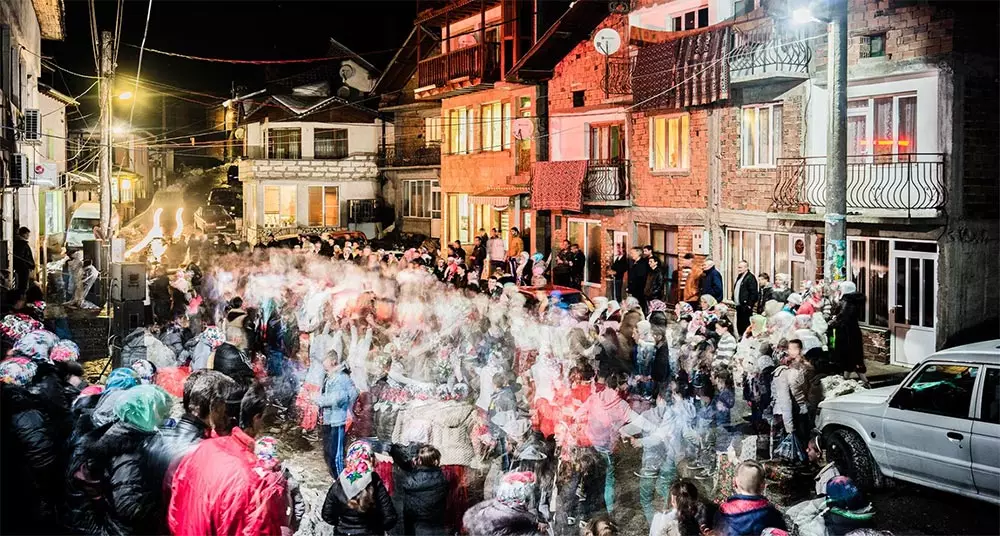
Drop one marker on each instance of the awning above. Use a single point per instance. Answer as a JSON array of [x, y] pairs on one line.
[[497, 197], [692, 70], [558, 185]]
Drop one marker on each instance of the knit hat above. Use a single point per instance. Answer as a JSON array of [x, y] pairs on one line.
[[516, 489], [144, 369], [842, 492], [120, 379], [35, 345], [795, 299], [65, 350], [537, 257], [359, 464], [266, 449], [17, 371], [144, 407]]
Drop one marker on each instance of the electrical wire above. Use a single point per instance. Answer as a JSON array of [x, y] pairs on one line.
[[119, 15], [138, 69], [63, 69], [262, 62]]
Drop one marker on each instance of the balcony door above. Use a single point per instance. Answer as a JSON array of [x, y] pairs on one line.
[[913, 300], [607, 142]]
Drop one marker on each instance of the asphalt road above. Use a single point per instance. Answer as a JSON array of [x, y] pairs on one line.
[[909, 509]]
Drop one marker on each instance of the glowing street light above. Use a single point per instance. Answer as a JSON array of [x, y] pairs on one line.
[[125, 95], [803, 15]]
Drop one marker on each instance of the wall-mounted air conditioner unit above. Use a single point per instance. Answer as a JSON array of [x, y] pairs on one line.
[[32, 126], [20, 171]]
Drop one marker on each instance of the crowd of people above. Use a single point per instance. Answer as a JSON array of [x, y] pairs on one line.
[[442, 406]]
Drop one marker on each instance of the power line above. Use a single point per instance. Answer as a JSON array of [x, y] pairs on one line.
[[259, 62]]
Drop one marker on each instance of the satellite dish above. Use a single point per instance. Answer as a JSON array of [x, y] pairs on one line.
[[607, 41], [523, 128], [238, 133], [346, 71]]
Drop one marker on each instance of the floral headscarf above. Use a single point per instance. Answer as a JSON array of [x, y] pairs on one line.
[[213, 336], [65, 350], [266, 450], [14, 326], [359, 464], [36, 345], [516, 489], [657, 305], [145, 370], [683, 309], [17, 371]]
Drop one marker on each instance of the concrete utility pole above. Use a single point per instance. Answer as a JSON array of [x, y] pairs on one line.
[[835, 257], [107, 79]]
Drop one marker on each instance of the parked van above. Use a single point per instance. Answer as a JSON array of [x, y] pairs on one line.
[[85, 217]]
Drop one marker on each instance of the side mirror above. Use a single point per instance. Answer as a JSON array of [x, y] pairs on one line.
[[902, 399]]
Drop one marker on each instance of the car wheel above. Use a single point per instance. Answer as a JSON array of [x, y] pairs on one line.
[[853, 458]]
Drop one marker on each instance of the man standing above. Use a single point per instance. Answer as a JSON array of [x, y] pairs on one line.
[[516, 244], [745, 294], [619, 267], [637, 277], [24, 259], [496, 250], [562, 272], [577, 261], [711, 280]]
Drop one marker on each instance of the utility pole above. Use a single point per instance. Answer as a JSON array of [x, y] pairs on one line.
[[107, 79], [835, 257]]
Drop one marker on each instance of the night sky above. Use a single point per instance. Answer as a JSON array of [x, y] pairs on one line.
[[252, 30]]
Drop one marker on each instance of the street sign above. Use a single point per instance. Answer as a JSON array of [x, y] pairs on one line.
[[607, 41]]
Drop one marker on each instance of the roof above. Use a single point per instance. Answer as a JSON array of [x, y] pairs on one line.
[[983, 352], [47, 90], [403, 64], [299, 106], [51, 15], [574, 26], [496, 196], [338, 50]]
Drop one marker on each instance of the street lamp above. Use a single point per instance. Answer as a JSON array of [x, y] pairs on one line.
[[835, 218], [125, 95]]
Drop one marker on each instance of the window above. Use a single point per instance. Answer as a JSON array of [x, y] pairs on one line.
[[578, 97], [882, 125], [989, 408], [761, 135], [690, 20], [127, 194], [607, 142], [432, 131], [664, 242], [284, 143], [941, 389], [873, 46], [458, 218], [279, 205], [587, 235], [324, 206], [495, 126], [869, 270], [765, 253], [421, 199], [669, 143], [329, 143], [460, 131], [55, 212], [742, 7]]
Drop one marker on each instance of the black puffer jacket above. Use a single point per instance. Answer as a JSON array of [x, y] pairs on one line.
[[168, 447], [32, 463], [425, 493], [348, 522], [111, 490], [231, 361]]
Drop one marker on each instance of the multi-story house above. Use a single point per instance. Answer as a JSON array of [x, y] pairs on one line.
[[309, 153], [714, 118], [52, 156], [23, 26], [132, 170]]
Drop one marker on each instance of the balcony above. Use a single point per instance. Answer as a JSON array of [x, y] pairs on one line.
[[606, 182], [618, 79], [465, 67], [884, 185], [393, 156], [763, 56]]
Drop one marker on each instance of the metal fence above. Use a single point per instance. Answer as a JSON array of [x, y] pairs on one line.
[[764, 51], [607, 180]]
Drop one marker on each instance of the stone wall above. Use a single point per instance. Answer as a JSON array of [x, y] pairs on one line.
[[354, 167]]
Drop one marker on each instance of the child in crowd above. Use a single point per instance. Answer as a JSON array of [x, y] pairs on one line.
[[748, 511], [687, 516], [725, 399], [267, 466], [425, 491], [727, 341]]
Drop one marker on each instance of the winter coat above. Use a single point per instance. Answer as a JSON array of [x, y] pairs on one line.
[[493, 518], [605, 413], [654, 285], [785, 400], [692, 285], [745, 515], [217, 491], [174, 441], [339, 395], [347, 522], [236, 333], [232, 362], [425, 494], [478, 256], [848, 345], [817, 518], [661, 365], [711, 284], [124, 496], [175, 338], [32, 463], [516, 246], [496, 249]]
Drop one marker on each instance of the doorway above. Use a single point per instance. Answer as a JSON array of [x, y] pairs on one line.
[[913, 301]]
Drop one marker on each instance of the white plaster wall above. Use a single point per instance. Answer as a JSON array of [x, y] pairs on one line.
[[53, 146], [659, 17], [569, 135], [361, 137]]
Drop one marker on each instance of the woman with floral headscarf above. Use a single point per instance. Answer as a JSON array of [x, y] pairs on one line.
[[511, 512], [358, 503]]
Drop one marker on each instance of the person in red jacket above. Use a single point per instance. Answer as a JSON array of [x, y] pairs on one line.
[[216, 489]]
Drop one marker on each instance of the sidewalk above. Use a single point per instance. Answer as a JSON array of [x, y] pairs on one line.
[[881, 374]]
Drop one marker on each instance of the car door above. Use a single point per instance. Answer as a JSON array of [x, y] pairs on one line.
[[928, 426], [986, 436]]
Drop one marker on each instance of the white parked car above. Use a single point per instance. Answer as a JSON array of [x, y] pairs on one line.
[[940, 428]]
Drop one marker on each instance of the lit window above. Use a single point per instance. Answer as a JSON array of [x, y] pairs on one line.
[[669, 143], [458, 218], [495, 126], [882, 125], [330, 143], [421, 199], [324, 206], [432, 131], [761, 135], [279, 205], [459, 131], [284, 143]]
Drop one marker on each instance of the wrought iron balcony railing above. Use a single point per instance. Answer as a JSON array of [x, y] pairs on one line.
[[892, 182], [393, 156], [479, 61], [606, 180], [618, 79], [363, 211], [763, 53]]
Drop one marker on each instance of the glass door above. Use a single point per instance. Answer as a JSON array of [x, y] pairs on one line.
[[913, 300]]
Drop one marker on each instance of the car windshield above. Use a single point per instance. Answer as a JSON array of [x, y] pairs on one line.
[[227, 198], [84, 224], [213, 211]]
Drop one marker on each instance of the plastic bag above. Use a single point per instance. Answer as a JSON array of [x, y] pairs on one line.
[[791, 449]]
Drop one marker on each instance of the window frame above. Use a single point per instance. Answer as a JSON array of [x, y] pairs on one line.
[[775, 149], [868, 112], [981, 409], [433, 131], [677, 21], [729, 269], [603, 132], [323, 192], [495, 119], [333, 143], [585, 247], [683, 144], [460, 131], [431, 202], [973, 402], [869, 276], [272, 142], [294, 216]]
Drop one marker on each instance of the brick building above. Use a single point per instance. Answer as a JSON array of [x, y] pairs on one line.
[[719, 130]]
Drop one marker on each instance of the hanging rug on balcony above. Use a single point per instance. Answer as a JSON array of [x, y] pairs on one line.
[[558, 185], [691, 70]]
